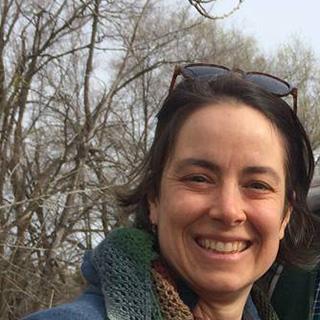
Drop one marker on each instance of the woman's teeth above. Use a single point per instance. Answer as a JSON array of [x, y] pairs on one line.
[[223, 247]]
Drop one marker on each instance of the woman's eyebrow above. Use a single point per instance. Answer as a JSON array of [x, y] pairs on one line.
[[180, 165], [263, 170], [198, 162]]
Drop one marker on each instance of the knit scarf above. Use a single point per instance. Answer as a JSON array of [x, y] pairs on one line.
[[135, 286]]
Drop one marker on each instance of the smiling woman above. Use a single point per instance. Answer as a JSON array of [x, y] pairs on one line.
[[222, 197], [220, 212]]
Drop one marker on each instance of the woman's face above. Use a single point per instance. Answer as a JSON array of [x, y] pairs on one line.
[[221, 208]]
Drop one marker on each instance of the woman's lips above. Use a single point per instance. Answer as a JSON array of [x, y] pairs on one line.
[[223, 246]]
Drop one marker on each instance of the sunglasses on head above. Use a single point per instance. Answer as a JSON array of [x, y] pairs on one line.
[[265, 81]]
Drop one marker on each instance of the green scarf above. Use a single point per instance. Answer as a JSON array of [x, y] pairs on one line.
[[123, 262], [124, 265]]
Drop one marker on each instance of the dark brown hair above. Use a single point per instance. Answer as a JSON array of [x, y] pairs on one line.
[[301, 244]]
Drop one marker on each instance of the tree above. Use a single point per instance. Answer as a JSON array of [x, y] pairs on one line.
[[201, 7], [68, 133], [297, 63]]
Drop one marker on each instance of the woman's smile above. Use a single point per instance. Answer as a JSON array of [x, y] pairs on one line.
[[226, 247]]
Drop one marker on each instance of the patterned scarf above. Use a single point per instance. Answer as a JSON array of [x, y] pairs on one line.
[[136, 286]]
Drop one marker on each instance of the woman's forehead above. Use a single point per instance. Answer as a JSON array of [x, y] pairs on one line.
[[229, 131]]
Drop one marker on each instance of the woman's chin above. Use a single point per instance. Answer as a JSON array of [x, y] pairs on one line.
[[220, 286]]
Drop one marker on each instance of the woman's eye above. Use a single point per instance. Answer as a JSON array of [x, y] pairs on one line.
[[259, 186], [197, 179]]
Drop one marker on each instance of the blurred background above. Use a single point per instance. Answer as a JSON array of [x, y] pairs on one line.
[[80, 84]]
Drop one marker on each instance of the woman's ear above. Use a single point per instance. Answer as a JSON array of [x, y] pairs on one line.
[[153, 211], [285, 221]]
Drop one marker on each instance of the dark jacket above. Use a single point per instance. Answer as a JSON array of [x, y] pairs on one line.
[[294, 294]]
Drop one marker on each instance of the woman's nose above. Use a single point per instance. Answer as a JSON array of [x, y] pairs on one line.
[[228, 206]]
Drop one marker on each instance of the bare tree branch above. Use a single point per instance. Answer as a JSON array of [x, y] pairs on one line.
[[200, 6]]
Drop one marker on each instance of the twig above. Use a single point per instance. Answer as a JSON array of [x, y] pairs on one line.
[[198, 4]]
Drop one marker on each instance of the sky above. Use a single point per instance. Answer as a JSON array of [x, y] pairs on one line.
[[274, 22]]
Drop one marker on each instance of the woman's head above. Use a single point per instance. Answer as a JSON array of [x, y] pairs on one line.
[[221, 208], [183, 104]]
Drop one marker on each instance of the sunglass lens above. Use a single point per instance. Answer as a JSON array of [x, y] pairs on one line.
[[204, 71], [273, 85]]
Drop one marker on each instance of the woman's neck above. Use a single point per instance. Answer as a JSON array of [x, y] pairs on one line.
[[220, 309]]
